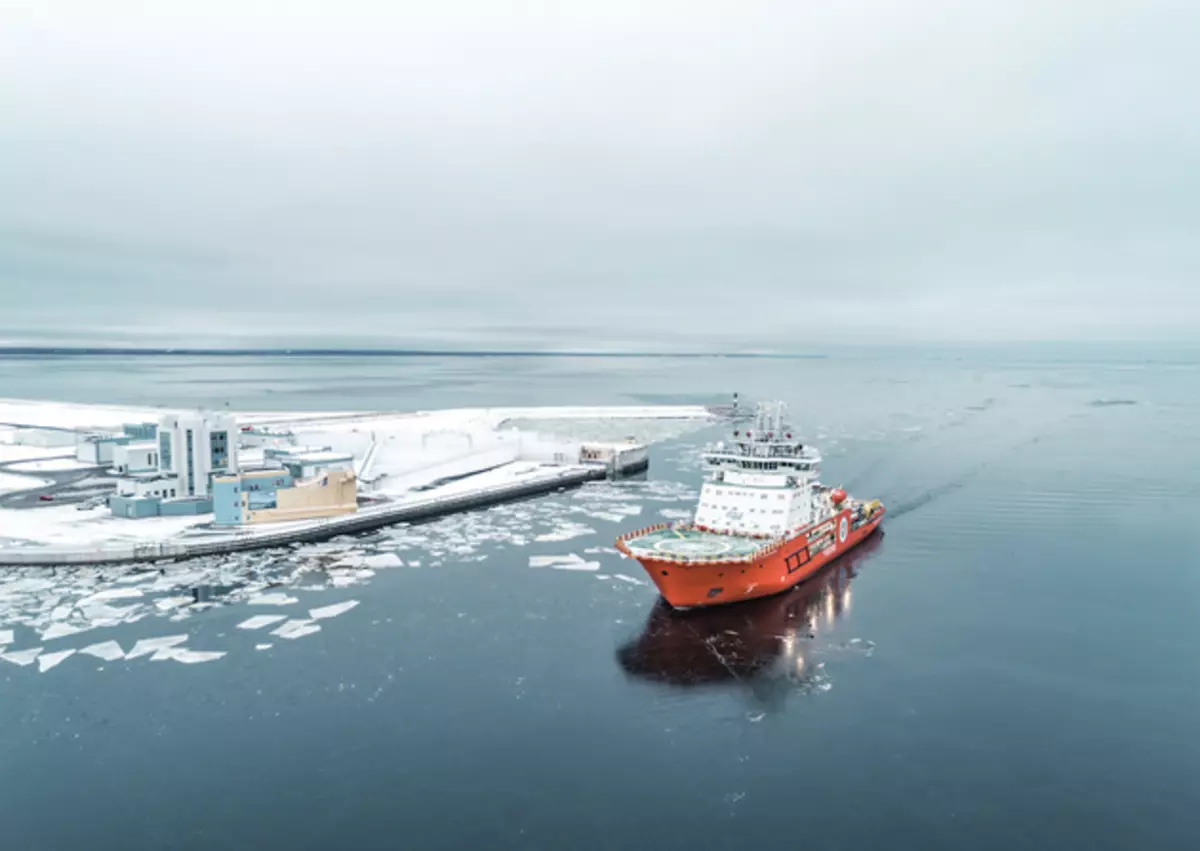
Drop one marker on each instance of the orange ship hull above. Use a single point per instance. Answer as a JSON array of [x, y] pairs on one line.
[[780, 566]]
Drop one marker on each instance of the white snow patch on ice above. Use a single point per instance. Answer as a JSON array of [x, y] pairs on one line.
[[259, 621], [332, 611], [109, 651], [49, 660]]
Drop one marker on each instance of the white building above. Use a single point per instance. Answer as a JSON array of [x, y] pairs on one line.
[[194, 446], [142, 485], [135, 457]]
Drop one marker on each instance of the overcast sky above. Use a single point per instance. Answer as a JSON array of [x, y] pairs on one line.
[[600, 173]]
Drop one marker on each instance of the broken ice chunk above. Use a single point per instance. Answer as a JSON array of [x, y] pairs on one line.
[[383, 560], [259, 621], [263, 646], [106, 650], [332, 611], [165, 604], [297, 628], [628, 579], [59, 630], [274, 599], [49, 660], [6, 636], [186, 656], [152, 645], [22, 657]]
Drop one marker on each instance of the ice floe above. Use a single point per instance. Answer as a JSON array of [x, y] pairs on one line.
[[46, 661], [273, 599], [22, 657], [259, 621], [382, 560], [61, 630], [6, 636], [631, 580], [147, 646], [109, 651], [332, 611], [186, 656], [263, 646], [566, 533], [296, 629]]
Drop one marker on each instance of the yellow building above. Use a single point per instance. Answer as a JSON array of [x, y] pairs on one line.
[[271, 496]]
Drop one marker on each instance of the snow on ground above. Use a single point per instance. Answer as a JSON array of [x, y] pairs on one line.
[[67, 526], [11, 483], [50, 464], [21, 452]]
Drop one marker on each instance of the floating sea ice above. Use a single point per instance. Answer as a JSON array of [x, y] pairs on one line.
[[259, 621], [165, 604], [263, 646], [549, 561], [594, 550], [606, 515], [6, 636], [186, 656], [109, 651], [603, 576], [571, 530], [296, 629], [49, 660], [146, 646], [675, 513], [628, 579], [576, 565], [332, 611], [383, 560], [59, 630], [275, 599], [22, 657], [113, 594]]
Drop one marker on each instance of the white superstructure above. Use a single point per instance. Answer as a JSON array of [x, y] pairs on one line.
[[764, 482]]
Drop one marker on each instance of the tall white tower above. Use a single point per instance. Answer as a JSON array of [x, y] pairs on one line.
[[195, 446]]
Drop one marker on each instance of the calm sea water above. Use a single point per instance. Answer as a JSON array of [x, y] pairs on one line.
[[1011, 665]]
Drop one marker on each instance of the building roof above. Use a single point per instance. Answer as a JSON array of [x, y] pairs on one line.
[[320, 456]]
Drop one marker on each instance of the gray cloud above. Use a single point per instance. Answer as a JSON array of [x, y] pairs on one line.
[[689, 174]]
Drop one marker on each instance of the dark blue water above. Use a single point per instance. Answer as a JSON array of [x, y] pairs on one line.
[[1011, 665]]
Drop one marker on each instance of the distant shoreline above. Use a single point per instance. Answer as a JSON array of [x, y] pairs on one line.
[[127, 351]]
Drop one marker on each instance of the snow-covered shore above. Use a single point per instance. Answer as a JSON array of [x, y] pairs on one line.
[[409, 463]]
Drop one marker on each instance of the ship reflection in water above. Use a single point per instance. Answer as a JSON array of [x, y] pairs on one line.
[[765, 645]]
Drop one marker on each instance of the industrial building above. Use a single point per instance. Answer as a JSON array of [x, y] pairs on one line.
[[273, 494], [168, 466]]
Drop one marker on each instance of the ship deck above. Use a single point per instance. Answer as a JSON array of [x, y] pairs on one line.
[[692, 543]]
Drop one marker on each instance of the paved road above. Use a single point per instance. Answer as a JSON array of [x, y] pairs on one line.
[[65, 485]]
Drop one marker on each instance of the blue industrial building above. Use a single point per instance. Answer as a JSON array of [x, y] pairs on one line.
[[259, 486]]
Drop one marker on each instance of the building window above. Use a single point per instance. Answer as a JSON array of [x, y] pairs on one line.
[[164, 449], [191, 471], [218, 445]]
